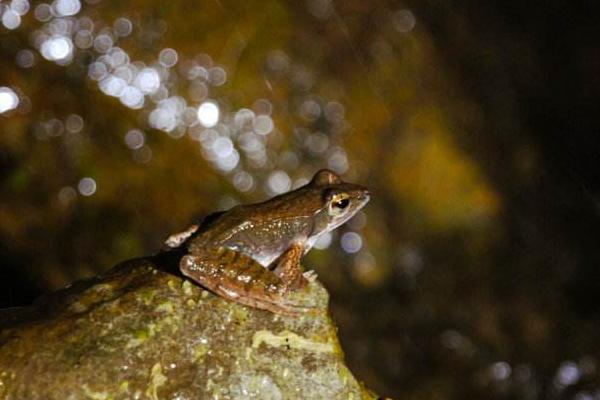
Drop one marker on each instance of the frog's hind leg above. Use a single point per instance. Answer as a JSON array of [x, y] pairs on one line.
[[237, 277]]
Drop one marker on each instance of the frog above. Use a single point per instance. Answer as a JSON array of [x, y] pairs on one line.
[[251, 253]]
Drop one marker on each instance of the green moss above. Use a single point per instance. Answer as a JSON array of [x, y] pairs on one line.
[[165, 306]]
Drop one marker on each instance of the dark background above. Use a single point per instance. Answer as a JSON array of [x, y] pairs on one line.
[[475, 125]]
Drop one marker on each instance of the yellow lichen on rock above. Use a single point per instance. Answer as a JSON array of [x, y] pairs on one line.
[[157, 379], [290, 339]]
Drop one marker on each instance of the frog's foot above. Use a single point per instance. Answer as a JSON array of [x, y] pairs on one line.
[[237, 277], [177, 239], [310, 275]]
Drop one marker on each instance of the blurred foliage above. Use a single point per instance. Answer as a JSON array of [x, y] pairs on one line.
[[478, 271]]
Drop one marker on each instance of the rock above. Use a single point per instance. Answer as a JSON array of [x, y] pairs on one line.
[[142, 331]]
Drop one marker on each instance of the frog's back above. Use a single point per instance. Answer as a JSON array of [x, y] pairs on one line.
[[249, 230]]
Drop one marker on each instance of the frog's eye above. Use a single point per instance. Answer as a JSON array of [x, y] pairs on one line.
[[339, 204]]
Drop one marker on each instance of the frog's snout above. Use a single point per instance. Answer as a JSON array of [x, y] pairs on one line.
[[365, 195]]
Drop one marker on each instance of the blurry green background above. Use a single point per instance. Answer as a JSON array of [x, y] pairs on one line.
[[474, 273]]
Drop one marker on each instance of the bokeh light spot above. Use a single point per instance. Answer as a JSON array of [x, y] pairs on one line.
[[74, 123], [243, 181], [11, 19], [168, 57], [66, 8], [123, 27], [500, 370], [208, 114], [217, 76], [279, 182], [8, 99], [66, 195], [103, 43], [97, 71], [132, 97], [84, 39], [143, 155], [568, 374], [263, 125], [57, 48], [87, 186], [351, 242], [323, 241], [148, 80], [404, 21], [21, 7], [222, 146], [43, 12], [25, 59], [113, 86], [135, 139]]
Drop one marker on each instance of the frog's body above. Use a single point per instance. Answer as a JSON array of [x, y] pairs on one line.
[[251, 253]]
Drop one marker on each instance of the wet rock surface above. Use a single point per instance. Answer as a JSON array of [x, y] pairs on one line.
[[142, 331]]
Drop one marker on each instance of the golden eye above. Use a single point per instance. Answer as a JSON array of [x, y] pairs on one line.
[[339, 203]]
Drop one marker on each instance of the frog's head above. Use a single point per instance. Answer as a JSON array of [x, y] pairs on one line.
[[340, 201]]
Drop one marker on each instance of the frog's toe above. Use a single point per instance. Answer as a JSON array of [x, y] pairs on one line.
[[287, 308], [310, 275], [177, 239], [274, 303]]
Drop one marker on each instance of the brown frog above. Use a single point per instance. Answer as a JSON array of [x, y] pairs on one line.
[[251, 253]]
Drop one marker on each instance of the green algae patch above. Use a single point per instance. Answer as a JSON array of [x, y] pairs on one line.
[[94, 395], [165, 306], [142, 332]]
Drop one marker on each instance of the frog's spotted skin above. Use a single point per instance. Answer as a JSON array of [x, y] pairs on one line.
[[251, 254]]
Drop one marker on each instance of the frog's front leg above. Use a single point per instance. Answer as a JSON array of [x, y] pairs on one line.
[[238, 277], [288, 268]]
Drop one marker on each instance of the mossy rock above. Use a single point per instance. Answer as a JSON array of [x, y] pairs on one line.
[[142, 331]]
